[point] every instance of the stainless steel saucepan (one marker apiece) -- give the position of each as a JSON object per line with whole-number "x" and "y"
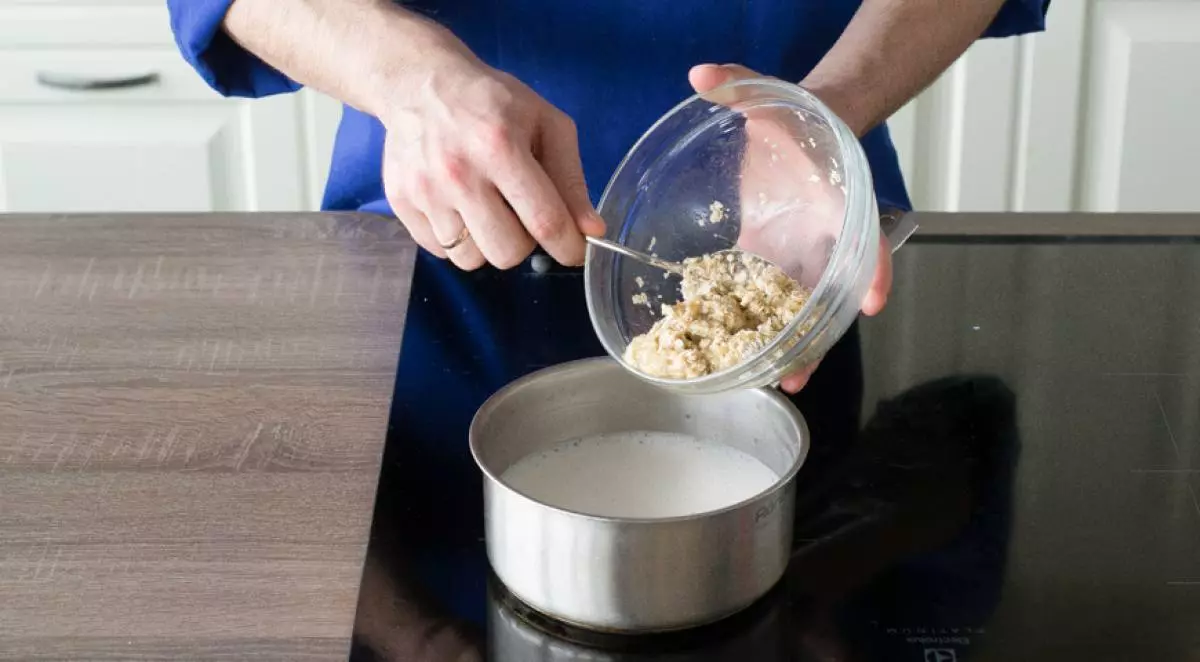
{"x": 624, "y": 574}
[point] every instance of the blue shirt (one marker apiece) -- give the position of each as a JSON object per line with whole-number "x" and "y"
{"x": 614, "y": 66}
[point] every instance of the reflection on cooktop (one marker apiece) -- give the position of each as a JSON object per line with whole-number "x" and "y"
{"x": 910, "y": 486}
{"x": 1023, "y": 486}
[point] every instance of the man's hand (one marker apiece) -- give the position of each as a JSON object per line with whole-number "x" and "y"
{"x": 477, "y": 166}
{"x": 888, "y": 53}
{"x": 481, "y": 169}
{"x": 781, "y": 164}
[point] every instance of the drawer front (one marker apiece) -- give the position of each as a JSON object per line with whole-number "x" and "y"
{"x": 109, "y": 75}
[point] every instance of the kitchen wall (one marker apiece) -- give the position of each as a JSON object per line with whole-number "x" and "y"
{"x": 1096, "y": 114}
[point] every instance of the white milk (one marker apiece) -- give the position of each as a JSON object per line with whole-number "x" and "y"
{"x": 640, "y": 474}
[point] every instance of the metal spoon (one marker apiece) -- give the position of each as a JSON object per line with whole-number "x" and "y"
{"x": 665, "y": 265}
{"x": 897, "y": 226}
{"x": 677, "y": 268}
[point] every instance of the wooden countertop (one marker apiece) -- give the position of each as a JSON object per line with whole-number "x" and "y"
{"x": 192, "y": 414}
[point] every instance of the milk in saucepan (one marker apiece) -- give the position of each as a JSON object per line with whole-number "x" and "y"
{"x": 640, "y": 474}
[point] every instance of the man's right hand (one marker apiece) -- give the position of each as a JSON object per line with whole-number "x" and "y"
{"x": 473, "y": 159}
{"x": 480, "y": 169}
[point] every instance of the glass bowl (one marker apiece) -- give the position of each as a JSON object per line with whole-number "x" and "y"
{"x": 761, "y": 165}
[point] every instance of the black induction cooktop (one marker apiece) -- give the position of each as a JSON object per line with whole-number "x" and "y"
{"x": 1005, "y": 466}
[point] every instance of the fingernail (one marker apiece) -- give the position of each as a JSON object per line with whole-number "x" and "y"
{"x": 593, "y": 224}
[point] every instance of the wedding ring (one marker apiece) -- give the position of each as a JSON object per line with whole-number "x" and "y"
{"x": 464, "y": 235}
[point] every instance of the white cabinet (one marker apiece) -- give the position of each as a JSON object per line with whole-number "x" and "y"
{"x": 98, "y": 112}
{"x": 1096, "y": 114}
{"x": 1140, "y": 137}
{"x": 159, "y": 142}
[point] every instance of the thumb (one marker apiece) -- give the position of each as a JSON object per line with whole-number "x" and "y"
{"x": 560, "y": 159}
{"x": 706, "y": 77}
{"x": 881, "y": 284}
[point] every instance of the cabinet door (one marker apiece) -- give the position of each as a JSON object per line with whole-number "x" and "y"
{"x": 1097, "y": 113}
{"x": 1141, "y": 95}
{"x": 136, "y": 130}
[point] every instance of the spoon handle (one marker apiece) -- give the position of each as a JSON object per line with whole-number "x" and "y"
{"x": 636, "y": 255}
{"x": 897, "y": 226}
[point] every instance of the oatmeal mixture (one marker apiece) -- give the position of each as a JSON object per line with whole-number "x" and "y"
{"x": 716, "y": 213}
{"x": 733, "y": 305}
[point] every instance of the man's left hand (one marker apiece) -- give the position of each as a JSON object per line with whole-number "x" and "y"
{"x": 706, "y": 77}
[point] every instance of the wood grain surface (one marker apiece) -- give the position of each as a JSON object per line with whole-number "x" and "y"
{"x": 192, "y": 414}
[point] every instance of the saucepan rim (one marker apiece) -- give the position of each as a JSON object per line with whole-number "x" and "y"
{"x": 771, "y": 395}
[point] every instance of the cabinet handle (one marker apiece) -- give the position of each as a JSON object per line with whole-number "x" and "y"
{"x": 75, "y": 83}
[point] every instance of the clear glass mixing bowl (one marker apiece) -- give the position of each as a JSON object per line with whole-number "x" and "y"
{"x": 761, "y": 165}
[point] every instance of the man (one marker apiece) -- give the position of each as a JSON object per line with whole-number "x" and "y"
{"x": 481, "y": 167}
{"x": 475, "y": 121}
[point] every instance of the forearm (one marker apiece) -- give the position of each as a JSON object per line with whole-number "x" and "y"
{"x": 892, "y": 50}
{"x": 361, "y": 52}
